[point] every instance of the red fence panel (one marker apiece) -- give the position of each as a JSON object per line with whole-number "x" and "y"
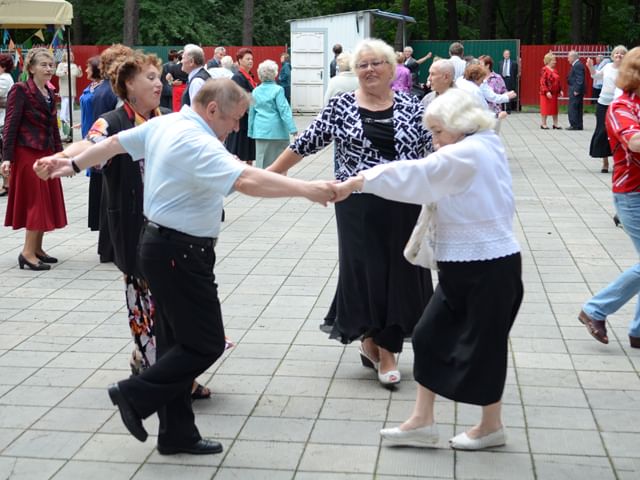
{"x": 531, "y": 62}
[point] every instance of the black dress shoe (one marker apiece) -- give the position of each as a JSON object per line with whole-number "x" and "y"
{"x": 201, "y": 447}
{"x": 573, "y": 128}
{"x": 46, "y": 258}
{"x": 130, "y": 418}
{"x": 33, "y": 266}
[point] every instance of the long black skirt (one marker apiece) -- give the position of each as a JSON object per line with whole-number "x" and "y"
{"x": 240, "y": 144}
{"x": 460, "y": 343}
{"x": 600, "y": 147}
{"x": 377, "y": 287}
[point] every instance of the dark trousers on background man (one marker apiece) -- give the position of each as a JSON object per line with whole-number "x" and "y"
{"x": 574, "y": 110}
{"x": 189, "y": 331}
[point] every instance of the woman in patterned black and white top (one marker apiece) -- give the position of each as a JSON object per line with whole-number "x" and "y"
{"x": 460, "y": 344}
{"x": 380, "y": 295}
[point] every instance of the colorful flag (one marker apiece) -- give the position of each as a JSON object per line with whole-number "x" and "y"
{"x": 39, "y": 35}
{"x": 6, "y": 37}
{"x": 12, "y": 45}
{"x": 56, "y": 41}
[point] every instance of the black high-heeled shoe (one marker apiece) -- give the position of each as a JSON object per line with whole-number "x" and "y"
{"x": 47, "y": 258}
{"x": 33, "y": 266}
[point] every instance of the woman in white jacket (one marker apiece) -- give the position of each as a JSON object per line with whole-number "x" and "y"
{"x": 62, "y": 72}
{"x": 460, "y": 343}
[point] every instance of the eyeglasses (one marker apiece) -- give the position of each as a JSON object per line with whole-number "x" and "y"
{"x": 375, "y": 64}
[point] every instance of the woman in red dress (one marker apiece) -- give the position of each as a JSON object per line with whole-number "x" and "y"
{"x": 31, "y": 132}
{"x": 550, "y": 88}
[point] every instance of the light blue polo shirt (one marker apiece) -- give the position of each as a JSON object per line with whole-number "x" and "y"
{"x": 187, "y": 171}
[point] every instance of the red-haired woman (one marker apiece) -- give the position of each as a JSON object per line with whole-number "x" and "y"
{"x": 239, "y": 143}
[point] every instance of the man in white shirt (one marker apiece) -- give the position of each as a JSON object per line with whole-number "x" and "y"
{"x": 193, "y": 65}
{"x": 186, "y": 176}
{"x": 456, "y": 51}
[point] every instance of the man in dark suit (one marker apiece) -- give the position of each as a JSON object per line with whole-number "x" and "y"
{"x": 508, "y": 69}
{"x": 576, "y": 91}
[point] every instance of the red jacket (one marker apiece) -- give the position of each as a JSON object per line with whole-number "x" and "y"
{"x": 30, "y": 121}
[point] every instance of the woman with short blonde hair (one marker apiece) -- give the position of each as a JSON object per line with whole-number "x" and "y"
{"x": 550, "y": 89}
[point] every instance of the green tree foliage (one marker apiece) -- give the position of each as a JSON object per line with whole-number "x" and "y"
{"x": 214, "y": 22}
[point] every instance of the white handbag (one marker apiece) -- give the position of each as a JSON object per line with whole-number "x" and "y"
{"x": 420, "y": 249}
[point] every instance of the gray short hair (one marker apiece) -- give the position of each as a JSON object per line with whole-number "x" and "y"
{"x": 619, "y": 48}
{"x": 378, "y": 47}
{"x": 195, "y": 52}
{"x": 458, "y": 111}
{"x": 267, "y": 71}
{"x": 573, "y": 54}
{"x": 445, "y": 66}
{"x": 226, "y": 62}
{"x": 224, "y": 91}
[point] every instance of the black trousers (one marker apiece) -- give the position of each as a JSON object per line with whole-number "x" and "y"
{"x": 574, "y": 110}
{"x": 189, "y": 332}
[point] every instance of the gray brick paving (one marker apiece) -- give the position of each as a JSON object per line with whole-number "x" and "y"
{"x": 290, "y": 404}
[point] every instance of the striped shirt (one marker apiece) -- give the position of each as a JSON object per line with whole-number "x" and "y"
{"x": 623, "y": 122}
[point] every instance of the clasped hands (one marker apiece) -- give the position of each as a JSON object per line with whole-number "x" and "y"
{"x": 53, "y": 166}
{"x": 322, "y": 191}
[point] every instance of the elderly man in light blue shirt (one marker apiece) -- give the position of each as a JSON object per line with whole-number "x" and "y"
{"x": 187, "y": 174}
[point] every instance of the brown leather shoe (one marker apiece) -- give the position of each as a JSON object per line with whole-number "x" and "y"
{"x": 634, "y": 342}
{"x": 596, "y": 328}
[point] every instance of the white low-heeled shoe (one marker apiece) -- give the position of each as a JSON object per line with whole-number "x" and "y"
{"x": 418, "y": 437}
{"x": 464, "y": 442}
{"x": 392, "y": 377}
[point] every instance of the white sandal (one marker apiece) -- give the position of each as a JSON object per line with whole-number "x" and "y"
{"x": 392, "y": 377}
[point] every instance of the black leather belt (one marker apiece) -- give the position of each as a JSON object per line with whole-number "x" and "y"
{"x": 177, "y": 236}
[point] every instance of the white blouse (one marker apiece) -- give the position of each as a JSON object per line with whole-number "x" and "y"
{"x": 471, "y": 183}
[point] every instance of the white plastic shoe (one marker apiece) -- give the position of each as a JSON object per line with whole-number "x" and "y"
{"x": 418, "y": 437}
{"x": 464, "y": 442}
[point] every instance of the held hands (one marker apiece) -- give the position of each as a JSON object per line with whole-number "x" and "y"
{"x": 322, "y": 192}
{"x": 549, "y": 95}
{"x": 53, "y": 167}
{"x": 589, "y": 62}
{"x": 511, "y": 94}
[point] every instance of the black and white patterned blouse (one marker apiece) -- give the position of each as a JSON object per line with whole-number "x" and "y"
{"x": 340, "y": 121}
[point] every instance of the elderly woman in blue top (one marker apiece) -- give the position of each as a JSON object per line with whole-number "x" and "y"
{"x": 460, "y": 343}
{"x": 270, "y": 118}
{"x": 380, "y": 296}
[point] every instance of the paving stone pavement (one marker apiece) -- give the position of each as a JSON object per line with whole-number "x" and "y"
{"x": 288, "y": 403}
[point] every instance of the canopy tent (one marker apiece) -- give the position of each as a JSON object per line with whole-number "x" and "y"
{"x": 37, "y": 14}
{"x": 34, "y": 13}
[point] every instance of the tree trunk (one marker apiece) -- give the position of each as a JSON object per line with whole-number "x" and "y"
{"x": 247, "y": 23}
{"x": 432, "y": 17}
{"x": 452, "y": 14}
{"x": 521, "y": 21}
{"x": 536, "y": 21}
{"x": 130, "y": 29}
{"x": 594, "y": 21}
{"x": 576, "y": 21}
{"x": 399, "y": 43}
{"x": 487, "y": 19}
{"x": 553, "y": 22}
{"x": 78, "y": 24}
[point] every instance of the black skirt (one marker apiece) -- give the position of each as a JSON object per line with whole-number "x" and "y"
{"x": 240, "y": 144}
{"x": 95, "y": 192}
{"x": 377, "y": 287}
{"x": 460, "y": 344}
{"x": 600, "y": 147}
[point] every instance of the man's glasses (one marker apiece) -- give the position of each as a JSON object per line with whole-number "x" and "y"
{"x": 375, "y": 64}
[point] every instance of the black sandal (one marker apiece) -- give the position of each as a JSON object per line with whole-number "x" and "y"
{"x": 201, "y": 392}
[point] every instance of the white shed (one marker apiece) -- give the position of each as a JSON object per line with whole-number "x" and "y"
{"x": 312, "y": 41}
